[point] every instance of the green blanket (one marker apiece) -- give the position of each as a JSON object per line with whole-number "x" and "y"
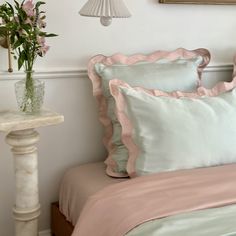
{"x": 210, "y": 222}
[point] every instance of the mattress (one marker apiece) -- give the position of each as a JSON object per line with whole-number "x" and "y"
{"x": 78, "y": 184}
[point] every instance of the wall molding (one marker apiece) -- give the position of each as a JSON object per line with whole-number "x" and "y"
{"x": 45, "y": 233}
{"x": 48, "y": 74}
{"x": 82, "y": 73}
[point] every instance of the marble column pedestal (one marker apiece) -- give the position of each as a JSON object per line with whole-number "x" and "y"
{"x": 21, "y": 135}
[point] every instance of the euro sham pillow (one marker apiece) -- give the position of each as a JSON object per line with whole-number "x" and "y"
{"x": 171, "y": 131}
{"x": 170, "y": 71}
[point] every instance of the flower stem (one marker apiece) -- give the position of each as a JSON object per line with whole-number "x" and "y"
{"x": 29, "y": 91}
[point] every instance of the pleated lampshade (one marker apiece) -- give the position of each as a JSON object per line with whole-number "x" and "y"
{"x": 105, "y": 9}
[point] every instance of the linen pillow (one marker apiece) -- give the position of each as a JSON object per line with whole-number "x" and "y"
{"x": 170, "y": 131}
{"x": 180, "y": 69}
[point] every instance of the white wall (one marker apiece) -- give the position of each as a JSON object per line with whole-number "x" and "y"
{"x": 152, "y": 26}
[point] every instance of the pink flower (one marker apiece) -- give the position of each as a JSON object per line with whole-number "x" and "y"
{"x": 41, "y": 23}
{"x": 28, "y": 7}
{"x": 41, "y": 41}
{"x": 43, "y": 50}
{"x": 28, "y": 21}
{"x": 22, "y": 32}
{"x": 43, "y": 47}
{"x": 16, "y": 18}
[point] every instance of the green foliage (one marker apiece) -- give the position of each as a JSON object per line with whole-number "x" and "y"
{"x": 24, "y": 24}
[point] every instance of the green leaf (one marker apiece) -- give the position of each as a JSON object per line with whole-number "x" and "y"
{"x": 10, "y": 7}
{"x": 43, "y": 17}
{"x": 3, "y": 31}
{"x": 17, "y": 4}
{"x": 21, "y": 60}
{"x": 12, "y": 39}
{"x": 26, "y": 27}
{"x": 17, "y": 44}
{"x": 50, "y": 35}
{"x": 22, "y": 2}
{"x": 22, "y": 15}
{"x": 39, "y": 4}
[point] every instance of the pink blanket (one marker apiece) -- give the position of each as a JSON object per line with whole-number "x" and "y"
{"x": 119, "y": 208}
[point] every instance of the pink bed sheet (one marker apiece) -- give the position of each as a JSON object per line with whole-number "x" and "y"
{"x": 78, "y": 184}
{"x": 119, "y": 208}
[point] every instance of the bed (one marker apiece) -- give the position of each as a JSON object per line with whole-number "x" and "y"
{"x": 71, "y": 204}
{"x": 171, "y": 148}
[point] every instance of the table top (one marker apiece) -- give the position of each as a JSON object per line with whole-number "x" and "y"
{"x": 15, "y": 120}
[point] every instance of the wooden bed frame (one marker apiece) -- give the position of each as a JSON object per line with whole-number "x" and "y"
{"x": 59, "y": 225}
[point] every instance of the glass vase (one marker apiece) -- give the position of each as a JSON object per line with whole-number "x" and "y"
{"x": 29, "y": 94}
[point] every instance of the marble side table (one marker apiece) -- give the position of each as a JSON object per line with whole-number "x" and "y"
{"x": 21, "y": 135}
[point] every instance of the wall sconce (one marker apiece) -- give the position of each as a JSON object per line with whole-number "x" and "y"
{"x": 105, "y": 9}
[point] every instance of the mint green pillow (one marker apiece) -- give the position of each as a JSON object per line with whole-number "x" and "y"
{"x": 169, "y": 71}
{"x": 166, "y": 132}
{"x": 180, "y": 74}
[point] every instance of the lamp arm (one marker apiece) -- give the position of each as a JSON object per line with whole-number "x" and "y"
{"x": 5, "y": 43}
{"x": 10, "y": 69}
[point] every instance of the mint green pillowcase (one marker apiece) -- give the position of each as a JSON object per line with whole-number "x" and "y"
{"x": 178, "y": 133}
{"x": 180, "y": 74}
